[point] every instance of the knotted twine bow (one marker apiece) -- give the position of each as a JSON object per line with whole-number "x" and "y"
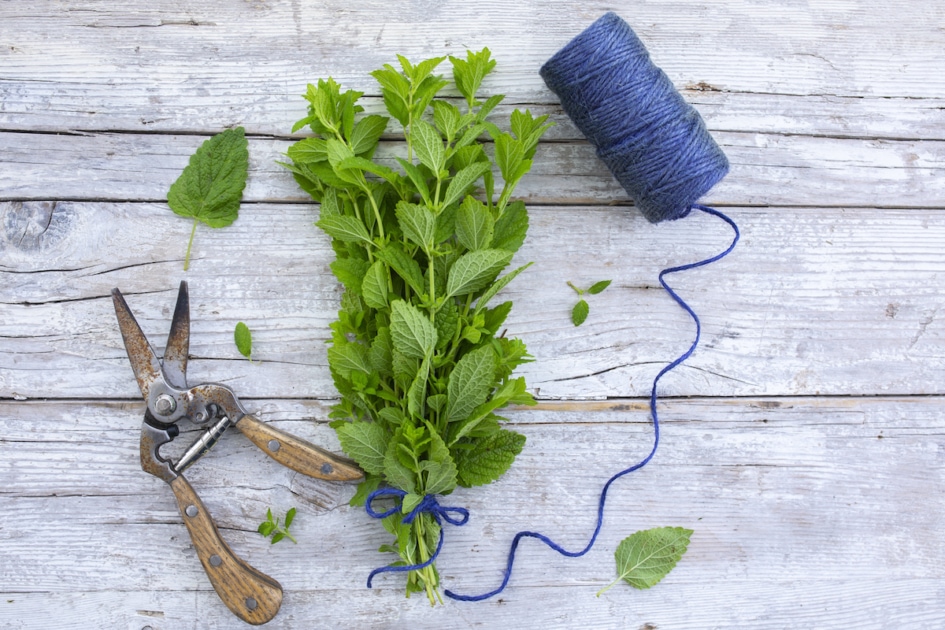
{"x": 428, "y": 504}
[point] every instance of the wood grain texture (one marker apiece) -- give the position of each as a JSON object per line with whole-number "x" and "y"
{"x": 783, "y": 315}
{"x": 803, "y": 441}
{"x": 250, "y": 594}
{"x": 297, "y": 454}
{"x": 820, "y": 511}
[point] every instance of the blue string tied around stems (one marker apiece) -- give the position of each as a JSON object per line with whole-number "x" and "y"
{"x": 428, "y": 504}
{"x": 657, "y": 147}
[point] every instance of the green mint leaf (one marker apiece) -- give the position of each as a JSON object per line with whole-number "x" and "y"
{"x": 647, "y": 556}
{"x": 475, "y": 270}
{"x": 308, "y": 150}
{"x": 489, "y": 458}
{"x": 597, "y": 287}
{"x": 276, "y": 538}
{"x": 436, "y": 402}
{"x": 374, "y": 285}
{"x": 469, "y": 73}
{"x": 405, "y": 266}
{"x": 440, "y": 476}
{"x": 470, "y": 382}
{"x": 446, "y": 117}
{"x": 413, "y": 334}
{"x": 463, "y": 180}
{"x": 509, "y": 155}
{"x": 365, "y": 488}
{"x": 446, "y": 321}
{"x": 212, "y": 183}
{"x": 417, "y": 394}
{"x": 428, "y": 144}
{"x": 382, "y": 349}
{"x": 416, "y": 177}
{"x": 366, "y": 133}
{"x": 417, "y": 223}
{"x": 365, "y": 443}
{"x": 491, "y": 103}
{"x": 474, "y": 225}
{"x": 243, "y": 339}
{"x": 345, "y": 229}
{"x": 348, "y": 357}
{"x": 579, "y": 312}
{"x": 409, "y": 502}
{"x": 266, "y": 527}
{"x": 350, "y": 272}
{"x": 289, "y": 517}
{"x": 497, "y": 286}
{"x": 395, "y": 472}
{"x": 511, "y": 227}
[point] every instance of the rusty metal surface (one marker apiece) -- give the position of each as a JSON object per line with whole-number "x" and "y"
{"x": 152, "y": 438}
{"x": 144, "y": 362}
{"x": 178, "y": 341}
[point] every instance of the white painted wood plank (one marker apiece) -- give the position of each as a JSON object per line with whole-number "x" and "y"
{"x": 173, "y": 66}
{"x": 812, "y": 301}
{"x": 803, "y": 509}
{"x": 766, "y": 170}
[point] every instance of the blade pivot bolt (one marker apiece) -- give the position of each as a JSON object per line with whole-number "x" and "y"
{"x": 165, "y": 405}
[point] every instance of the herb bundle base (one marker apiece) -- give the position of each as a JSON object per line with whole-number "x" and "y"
{"x": 420, "y": 241}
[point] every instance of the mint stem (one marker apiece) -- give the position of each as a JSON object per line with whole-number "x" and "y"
{"x": 608, "y": 587}
{"x": 189, "y": 244}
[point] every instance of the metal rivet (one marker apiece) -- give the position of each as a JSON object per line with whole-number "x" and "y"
{"x": 191, "y": 511}
{"x": 327, "y": 468}
{"x": 274, "y": 445}
{"x": 251, "y": 603}
{"x": 165, "y": 405}
{"x": 215, "y": 560}
{"x": 200, "y": 417}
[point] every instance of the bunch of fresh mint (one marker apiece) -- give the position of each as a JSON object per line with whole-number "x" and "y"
{"x": 416, "y": 353}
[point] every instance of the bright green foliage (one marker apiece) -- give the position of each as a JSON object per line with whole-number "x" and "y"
{"x": 272, "y": 527}
{"x": 417, "y": 354}
{"x": 581, "y": 309}
{"x": 210, "y": 188}
{"x": 243, "y": 339}
{"x": 646, "y": 557}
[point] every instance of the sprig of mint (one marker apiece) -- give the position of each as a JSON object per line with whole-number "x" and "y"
{"x": 646, "y": 557}
{"x": 272, "y": 527}
{"x": 581, "y": 309}
{"x": 420, "y": 245}
{"x": 243, "y": 339}
{"x": 210, "y": 188}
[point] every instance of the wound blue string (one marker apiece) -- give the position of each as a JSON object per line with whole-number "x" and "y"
{"x": 428, "y": 504}
{"x": 660, "y": 151}
{"x": 651, "y": 139}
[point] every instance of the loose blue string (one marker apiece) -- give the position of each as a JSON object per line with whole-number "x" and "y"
{"x": 428, "y": 504}
{"x": 653, "y": 415}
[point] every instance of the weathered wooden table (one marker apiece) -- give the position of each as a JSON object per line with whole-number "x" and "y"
{"x": 803, "y": 442}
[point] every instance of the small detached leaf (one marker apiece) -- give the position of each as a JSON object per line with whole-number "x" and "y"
{"x": 272, "y": 527}
{"x": 243, "y": 339}
{"x": 579, "y": 312}
{"x": 597, "y": 287}
{"x": 646, "y": 557}
{"x": 210, "y": 188}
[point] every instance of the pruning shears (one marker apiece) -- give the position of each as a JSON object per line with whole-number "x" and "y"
{"x": 252, "y": 595}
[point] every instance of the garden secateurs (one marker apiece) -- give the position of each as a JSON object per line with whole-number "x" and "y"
{"x": 252, "y": 595}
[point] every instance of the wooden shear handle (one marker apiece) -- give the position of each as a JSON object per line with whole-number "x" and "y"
{"x": 252, "y": 595}
{"x": 295, "y": 453}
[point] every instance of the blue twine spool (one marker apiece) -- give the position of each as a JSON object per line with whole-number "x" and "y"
{"x": 660, "y": 151}
{"x": 655, "y": 144}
